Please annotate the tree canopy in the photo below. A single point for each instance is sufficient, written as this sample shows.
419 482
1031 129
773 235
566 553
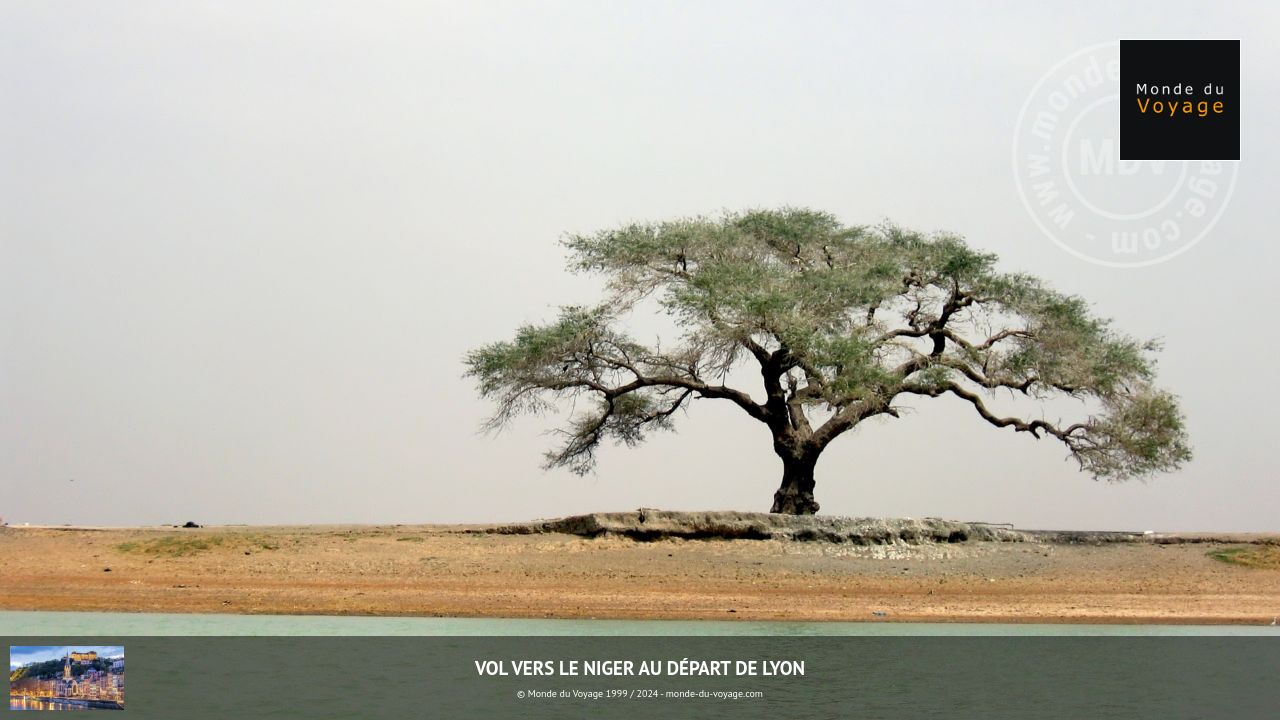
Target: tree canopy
842 322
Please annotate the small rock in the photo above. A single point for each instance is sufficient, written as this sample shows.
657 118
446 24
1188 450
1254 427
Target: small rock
106 569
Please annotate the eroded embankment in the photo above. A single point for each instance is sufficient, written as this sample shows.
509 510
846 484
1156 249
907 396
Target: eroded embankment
647 524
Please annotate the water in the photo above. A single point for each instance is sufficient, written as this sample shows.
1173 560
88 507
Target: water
19 703
88 624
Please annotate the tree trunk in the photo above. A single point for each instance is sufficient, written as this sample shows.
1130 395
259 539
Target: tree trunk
795 496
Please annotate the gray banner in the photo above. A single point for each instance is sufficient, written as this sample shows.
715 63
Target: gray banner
842 677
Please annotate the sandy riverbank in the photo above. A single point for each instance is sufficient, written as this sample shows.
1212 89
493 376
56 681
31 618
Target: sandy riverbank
439 570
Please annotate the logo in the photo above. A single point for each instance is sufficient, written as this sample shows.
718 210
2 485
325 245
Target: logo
1180 99
1096 203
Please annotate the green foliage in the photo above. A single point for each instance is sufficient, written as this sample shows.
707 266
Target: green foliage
625 418
1250 556
841 321
1141 433
172 545
183 545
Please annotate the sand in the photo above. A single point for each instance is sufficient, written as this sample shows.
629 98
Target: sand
445 571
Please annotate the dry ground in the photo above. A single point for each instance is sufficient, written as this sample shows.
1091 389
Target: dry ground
421 570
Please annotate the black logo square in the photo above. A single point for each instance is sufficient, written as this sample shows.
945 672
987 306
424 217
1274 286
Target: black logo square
1180 99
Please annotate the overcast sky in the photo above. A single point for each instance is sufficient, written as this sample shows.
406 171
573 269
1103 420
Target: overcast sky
245 246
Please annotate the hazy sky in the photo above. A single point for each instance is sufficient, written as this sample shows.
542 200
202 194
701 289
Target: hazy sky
244 247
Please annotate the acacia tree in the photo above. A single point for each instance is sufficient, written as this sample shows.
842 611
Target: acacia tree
842 323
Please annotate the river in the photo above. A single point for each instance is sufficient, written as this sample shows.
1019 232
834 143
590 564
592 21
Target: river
117 624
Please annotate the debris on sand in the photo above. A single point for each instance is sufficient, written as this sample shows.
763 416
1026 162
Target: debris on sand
647 524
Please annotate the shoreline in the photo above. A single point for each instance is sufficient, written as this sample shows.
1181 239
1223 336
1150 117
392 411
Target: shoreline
467 572
1181 621
90 703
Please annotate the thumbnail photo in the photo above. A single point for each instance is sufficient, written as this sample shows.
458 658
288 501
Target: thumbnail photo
66 677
